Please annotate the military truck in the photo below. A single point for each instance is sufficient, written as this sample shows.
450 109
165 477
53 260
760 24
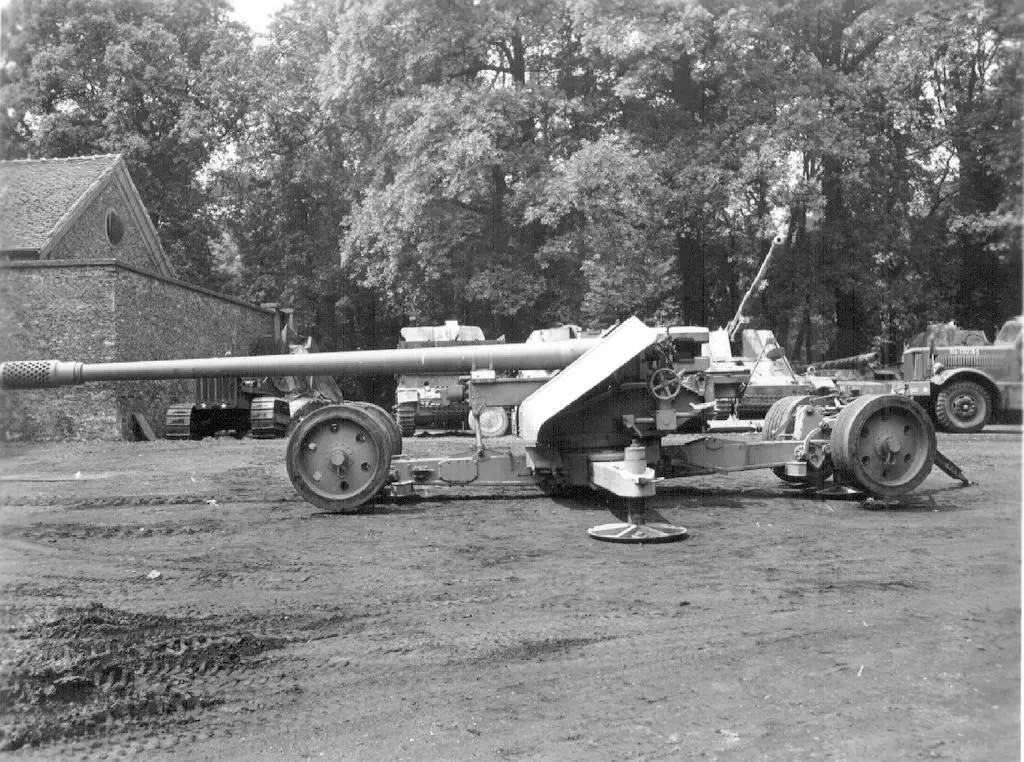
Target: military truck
421 400
955 374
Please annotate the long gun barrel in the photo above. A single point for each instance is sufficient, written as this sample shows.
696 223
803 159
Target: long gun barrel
38 374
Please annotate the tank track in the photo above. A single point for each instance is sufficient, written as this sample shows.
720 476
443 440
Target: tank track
405 416
178 421
269 418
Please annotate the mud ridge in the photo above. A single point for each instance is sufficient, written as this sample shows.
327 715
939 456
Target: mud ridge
71 673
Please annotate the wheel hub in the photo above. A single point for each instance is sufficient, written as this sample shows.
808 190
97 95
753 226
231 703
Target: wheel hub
965 406
887 446
339 457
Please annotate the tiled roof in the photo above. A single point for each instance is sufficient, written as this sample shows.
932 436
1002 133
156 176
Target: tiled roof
35 194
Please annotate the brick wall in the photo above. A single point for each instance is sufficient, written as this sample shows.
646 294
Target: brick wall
103 311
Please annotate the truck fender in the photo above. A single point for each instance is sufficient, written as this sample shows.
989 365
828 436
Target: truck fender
946 377
960 374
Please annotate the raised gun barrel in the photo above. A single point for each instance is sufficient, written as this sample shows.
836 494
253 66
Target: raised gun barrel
853 362
740 318
39 374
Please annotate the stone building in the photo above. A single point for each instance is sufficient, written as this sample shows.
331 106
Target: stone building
83 277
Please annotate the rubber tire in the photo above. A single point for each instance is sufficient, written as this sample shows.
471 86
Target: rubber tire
405 416
851 457
945 412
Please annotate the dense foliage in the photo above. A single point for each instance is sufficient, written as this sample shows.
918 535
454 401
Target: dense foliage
522 164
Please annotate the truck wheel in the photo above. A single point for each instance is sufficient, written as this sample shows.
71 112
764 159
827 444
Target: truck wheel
405 416
963 407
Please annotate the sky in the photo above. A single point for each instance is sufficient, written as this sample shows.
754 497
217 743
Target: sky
255 13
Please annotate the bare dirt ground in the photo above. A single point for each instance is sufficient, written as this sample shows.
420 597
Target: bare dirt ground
177 600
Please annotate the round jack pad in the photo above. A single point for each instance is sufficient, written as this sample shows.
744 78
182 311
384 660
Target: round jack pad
628 532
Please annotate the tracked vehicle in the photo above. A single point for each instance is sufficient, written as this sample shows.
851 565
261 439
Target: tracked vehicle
420 399
257 405
600 423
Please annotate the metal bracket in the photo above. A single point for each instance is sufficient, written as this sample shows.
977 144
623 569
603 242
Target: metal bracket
951 469
616 477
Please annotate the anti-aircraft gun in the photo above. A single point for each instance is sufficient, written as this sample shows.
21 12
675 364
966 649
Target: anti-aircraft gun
601 422
771 375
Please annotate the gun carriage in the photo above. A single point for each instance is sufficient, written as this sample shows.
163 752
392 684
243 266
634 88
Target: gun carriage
601 422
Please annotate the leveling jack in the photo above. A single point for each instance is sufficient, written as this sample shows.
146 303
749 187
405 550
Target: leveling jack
636 528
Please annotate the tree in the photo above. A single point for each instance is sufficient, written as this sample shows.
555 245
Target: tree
452 101
286 187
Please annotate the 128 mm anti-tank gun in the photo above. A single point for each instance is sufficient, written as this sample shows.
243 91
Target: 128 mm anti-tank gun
600 422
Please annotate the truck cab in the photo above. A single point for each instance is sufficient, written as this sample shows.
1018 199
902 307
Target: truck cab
957 375
970 383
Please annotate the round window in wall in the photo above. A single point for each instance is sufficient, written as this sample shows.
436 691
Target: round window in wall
115 227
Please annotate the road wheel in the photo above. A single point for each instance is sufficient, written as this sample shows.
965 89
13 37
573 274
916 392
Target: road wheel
963 407
884 444
405 416
338 458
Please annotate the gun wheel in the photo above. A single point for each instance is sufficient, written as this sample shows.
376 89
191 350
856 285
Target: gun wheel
780 419
389 424
884 444
339 457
